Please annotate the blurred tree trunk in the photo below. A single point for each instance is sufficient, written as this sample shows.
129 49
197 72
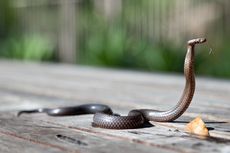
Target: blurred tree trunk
109 8
67 42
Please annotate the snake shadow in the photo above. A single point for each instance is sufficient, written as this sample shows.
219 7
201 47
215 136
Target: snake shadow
208 122
147 125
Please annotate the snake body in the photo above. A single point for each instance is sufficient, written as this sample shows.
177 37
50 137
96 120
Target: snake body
104 117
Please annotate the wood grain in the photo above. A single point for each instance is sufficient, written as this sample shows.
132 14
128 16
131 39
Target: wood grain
32 85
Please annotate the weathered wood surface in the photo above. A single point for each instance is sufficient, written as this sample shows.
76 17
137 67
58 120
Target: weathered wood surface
28 86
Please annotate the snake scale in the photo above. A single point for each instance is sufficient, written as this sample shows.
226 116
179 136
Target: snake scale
105 118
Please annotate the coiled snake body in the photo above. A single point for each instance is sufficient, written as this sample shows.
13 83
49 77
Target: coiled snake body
104 117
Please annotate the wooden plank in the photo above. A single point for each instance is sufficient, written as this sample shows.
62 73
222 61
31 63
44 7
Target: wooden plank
53 136
10 144
136 90
26 86
169 135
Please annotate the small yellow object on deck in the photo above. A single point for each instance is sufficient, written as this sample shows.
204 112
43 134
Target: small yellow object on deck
197 126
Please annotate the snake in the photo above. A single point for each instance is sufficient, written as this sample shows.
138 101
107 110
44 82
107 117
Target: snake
105 118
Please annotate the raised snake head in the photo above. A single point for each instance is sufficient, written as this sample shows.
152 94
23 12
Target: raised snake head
196 41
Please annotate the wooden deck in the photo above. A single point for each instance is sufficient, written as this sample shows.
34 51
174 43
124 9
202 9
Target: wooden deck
28 86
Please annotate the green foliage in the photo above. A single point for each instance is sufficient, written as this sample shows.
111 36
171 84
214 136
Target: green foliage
216 63
8 18
27 48
111 46
117 42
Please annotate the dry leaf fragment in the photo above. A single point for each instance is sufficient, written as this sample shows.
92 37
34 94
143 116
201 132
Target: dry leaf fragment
197 126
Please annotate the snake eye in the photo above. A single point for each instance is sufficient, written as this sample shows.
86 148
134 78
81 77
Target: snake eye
202 40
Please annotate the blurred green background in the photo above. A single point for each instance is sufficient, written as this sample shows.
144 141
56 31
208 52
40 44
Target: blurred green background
147 35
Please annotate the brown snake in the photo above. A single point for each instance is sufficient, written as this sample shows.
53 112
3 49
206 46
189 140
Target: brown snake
105 118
